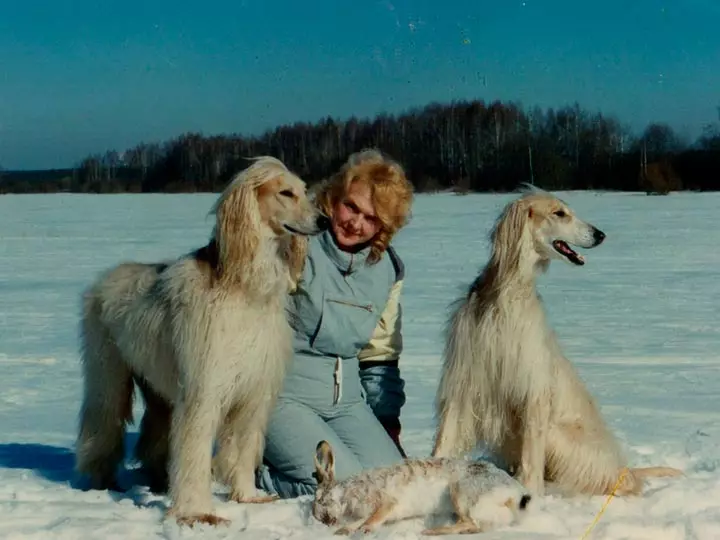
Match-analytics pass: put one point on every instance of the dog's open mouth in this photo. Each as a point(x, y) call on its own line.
point(566, 251)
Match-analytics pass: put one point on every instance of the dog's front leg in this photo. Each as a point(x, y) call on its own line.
point(240, 448)
point(534, 442)
point(194, 422)
point(447, 442)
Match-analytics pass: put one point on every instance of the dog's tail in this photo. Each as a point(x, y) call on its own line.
point(631, 483)
point(655, 472)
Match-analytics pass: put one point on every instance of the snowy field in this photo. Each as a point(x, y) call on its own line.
point(640, 320)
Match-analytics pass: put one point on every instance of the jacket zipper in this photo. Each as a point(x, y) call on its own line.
point(366, 307)
point(337, 381)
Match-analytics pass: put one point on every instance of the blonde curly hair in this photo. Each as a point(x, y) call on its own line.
point(390, 191)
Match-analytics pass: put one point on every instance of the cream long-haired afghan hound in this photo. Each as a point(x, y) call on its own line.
point(208, 341)
point(505, 381)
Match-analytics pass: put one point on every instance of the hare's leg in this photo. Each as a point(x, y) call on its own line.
point(464, 523)
point(378, 517)
point(460, 527)
point(350, 528)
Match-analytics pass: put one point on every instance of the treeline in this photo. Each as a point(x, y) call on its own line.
point(461, 146)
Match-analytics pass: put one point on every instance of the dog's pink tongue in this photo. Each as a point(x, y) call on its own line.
point(567, 250)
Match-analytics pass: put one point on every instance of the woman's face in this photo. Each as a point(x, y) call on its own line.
point(354, 222)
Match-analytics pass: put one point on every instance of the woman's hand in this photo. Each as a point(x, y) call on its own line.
point(393, 429)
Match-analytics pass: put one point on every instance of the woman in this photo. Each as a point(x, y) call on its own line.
point(344, 384)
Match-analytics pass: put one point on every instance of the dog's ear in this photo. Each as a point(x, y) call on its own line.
point(295, 254)
point(508, 233)
point(237, 230)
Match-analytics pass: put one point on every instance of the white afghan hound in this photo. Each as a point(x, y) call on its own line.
point(505, 381)
point(208, 341)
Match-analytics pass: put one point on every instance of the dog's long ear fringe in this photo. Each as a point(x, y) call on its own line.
point(237, 231)
point(295, 253)
point(506, 237)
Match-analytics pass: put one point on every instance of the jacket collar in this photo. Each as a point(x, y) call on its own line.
point(346, 262)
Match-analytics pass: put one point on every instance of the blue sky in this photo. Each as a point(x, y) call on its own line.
point(83, 76)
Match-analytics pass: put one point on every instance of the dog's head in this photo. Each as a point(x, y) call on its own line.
point(264, 201)
point(286, 209)
point(268, 199)
point(541, 227)
point(555, 227)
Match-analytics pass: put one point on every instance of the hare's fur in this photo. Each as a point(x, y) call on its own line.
point(480, 495)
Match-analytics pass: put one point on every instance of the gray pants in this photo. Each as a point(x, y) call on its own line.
point(308, 412)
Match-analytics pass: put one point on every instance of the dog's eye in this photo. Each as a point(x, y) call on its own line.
point(560, 213)
point(287, 193)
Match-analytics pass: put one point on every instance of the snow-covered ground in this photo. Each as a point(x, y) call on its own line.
point(640, 320)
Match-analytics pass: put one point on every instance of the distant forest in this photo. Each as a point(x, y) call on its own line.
point(461, 146)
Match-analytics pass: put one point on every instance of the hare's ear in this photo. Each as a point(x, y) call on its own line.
point(324, 463)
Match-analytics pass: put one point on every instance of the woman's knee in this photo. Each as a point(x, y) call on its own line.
point(293, 479)
point(291, 440)
point(275, 482)
point(384, 454)
point(366, 438)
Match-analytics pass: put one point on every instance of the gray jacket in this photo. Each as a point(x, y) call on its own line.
point(344, 309)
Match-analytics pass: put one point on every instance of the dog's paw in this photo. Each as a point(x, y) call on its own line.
point(116, 487)
point(343, 531)
point(252, 499)
point(102, 484)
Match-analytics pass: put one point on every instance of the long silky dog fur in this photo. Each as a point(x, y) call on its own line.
point(505, 381)
point(207, 340)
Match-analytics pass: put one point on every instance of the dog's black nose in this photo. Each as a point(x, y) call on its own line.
point(323, 222)
point(598, 236)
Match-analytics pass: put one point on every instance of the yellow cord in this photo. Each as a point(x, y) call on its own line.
point(604, 506)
